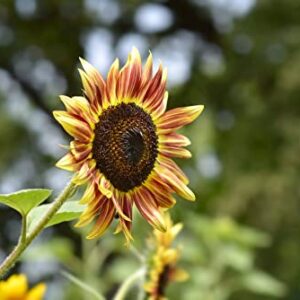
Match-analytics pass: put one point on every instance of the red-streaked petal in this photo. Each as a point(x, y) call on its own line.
point(178, 185)
point(80, 150)
point(159, 183)
point(164, 200)
point(172, 166)
point(116, 200)
point(79, 106)
point(99, 86)
point(160, 107)
point(130, 76)
point(84, 110)
point(88, 85)
point(89, 193)
point(93, 210)
point(147, 72)
point(94, 74)
point(85, 173)
point(178, 117)
point(174, 151)
point(151, 87)
point(68, 163)
point(104, 219)
point(161, 193)
point(155, 92)
point(112, 79)
point(148, 208)
point(105, 186)
point(174, 139)
point(78, 129)
point(125, 226)
point(92, 92)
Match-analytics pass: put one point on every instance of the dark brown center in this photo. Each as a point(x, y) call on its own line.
point(125, 145)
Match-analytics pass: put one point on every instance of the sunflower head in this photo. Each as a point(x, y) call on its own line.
point(123, 144)
point(163, 264)
point(16, 288)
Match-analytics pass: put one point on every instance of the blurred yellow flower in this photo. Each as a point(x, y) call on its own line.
point(163, 268)
point(16, 288)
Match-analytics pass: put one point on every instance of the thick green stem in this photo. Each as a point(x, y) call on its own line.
point(24, 240)
point(128, 283)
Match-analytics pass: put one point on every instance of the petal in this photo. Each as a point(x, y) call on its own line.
point(179, 275)
point(173, 167)
point(79, 106)
point(164, 200)
point(104, 220)
point(16, 285)
point(160, 107)
point(170, 256)
point(176, 229)
point(155, 92)
point(158, 184)
point(130, 77)
point(89, 193)
point(148, 208)
point(174, 152)
point(174, 139)
point(78, 129)
point(80, 150)
point(93, 209)
point(161, 194)
point(68, 163)
point(147, 72)
point(178, 185)
point(125, 226)
point(112, 79)
point(105, 187)
point(178, 117)
point(150, 88)
point(86, 171)
point(97, 84)
point(37, 293)
point(88, 85)
point(116, 200)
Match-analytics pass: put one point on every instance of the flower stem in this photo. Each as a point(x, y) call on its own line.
point(128, 283)
point(25, 240)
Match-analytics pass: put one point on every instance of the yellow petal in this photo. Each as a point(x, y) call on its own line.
point(111, 85)
point(103, 221)
point(118, 208)
point(105, 187)
point(148, 208)
point(179, 187)
point(179, 275)
point(178, 117)
point(174, 151)
point(68, 163)
point(37, 293)
point(73, 126)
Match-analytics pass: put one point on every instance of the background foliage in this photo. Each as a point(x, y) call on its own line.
point(239, 58)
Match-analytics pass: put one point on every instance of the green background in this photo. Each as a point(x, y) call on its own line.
point(241, 60)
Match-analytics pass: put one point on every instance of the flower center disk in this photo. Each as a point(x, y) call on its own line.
point(125, 145)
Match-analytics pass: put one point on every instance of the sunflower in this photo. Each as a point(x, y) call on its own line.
point(162, 267)
point(16, 288)
point(124, 141)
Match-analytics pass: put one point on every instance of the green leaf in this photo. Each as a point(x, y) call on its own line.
point(69, 211)
point(25, 200)
point(262, 283)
